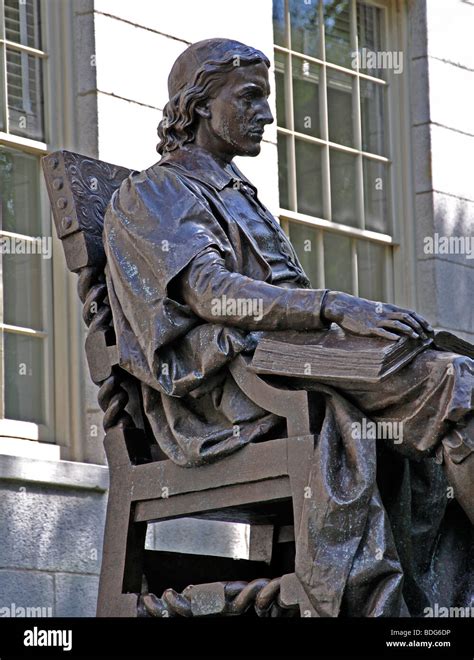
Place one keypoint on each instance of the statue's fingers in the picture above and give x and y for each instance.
(399, 326)
(385, 334)
(408, 319)
(423, 322)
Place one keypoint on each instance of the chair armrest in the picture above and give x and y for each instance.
(290, 404)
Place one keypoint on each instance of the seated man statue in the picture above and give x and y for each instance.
(381, 534)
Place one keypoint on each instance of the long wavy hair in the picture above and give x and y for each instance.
(179, 121)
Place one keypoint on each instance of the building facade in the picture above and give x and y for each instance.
(367, 166)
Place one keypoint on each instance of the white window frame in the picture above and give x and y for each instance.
(394, 35)
(7, 138)
(64, 360)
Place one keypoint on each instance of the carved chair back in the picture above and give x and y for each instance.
(80, 189)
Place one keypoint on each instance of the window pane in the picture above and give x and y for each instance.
(372, 97)
(24, 378)
(369, 23)
(338, 32)
(19, 190)
(22, 290)
(22, 22)
(338, 262)
(279, 22)
(283, 174)
(304, 240)
(375, 195)
(308, 178)
(24, 94)
(343, 188)
(306, 96)
(371, 265)
(305, 27)
(340, 89)
(280, 73)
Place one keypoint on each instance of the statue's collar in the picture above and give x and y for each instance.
(200, 164)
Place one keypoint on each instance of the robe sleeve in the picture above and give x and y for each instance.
(218, 295)
(153, 227)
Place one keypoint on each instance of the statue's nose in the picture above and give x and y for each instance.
(267, 116)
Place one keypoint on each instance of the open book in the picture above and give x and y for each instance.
(335, 356)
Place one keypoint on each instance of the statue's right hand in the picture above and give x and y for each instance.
(360, 316)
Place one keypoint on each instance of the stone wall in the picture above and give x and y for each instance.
(442, 94)
(51, 526)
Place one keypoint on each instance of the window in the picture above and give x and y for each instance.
(333, 147)
(21, 57)
(25, 231)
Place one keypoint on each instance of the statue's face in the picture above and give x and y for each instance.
(240, 111)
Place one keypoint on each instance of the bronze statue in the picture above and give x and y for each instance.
(197, 269)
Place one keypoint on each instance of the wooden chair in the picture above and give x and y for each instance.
(261, 484)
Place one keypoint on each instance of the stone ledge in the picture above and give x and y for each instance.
(65, 474)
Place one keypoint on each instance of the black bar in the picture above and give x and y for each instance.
(240, 636)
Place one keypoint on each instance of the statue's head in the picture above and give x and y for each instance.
(218, 91)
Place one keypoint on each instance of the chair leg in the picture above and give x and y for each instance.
(300, 454)
(118, 529)
(123, 550)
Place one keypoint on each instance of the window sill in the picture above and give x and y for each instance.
(27, 144)
(29, 449)
(62, 474)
